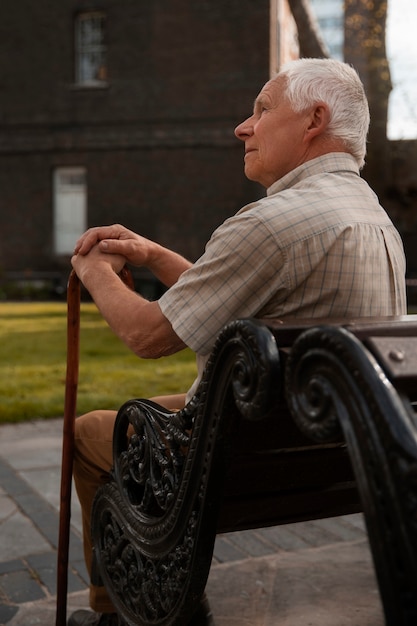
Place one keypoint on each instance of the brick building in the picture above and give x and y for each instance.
(123, 111)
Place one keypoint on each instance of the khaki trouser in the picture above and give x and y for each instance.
(92, 463)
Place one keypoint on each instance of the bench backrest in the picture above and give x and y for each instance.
(291, 421)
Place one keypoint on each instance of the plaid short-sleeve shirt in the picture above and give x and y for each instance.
(318, 245)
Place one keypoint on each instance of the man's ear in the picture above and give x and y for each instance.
(318, 121)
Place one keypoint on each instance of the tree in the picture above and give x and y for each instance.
(365, 27)
(364, 48)
(310, 40)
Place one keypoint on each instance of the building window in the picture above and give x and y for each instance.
(70, 207)
(90, 49)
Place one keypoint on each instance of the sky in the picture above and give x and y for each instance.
(401, 42)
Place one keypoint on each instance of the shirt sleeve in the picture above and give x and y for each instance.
(235, 277)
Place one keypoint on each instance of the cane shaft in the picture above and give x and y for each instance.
(70, 407)
(71, 384)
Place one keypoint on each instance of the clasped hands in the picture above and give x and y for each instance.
(112, 246)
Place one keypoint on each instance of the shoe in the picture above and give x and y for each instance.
(89, 618)
(202, 617)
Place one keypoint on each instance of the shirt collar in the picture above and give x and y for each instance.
(332, 162)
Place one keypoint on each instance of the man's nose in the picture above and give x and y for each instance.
(244, 130)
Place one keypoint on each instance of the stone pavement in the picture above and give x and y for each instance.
(308, 574)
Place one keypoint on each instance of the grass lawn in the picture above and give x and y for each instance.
(33, 364)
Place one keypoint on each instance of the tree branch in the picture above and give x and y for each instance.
(310, 40)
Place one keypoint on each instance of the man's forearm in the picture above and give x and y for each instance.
(138, 323)
(167, 266)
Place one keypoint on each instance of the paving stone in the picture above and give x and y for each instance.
(7, 612)
(224, 550)
(11, 566)
(42, 515)
(312, 534)
(46, 481)
(81, 570)
(43, 612)
(38, 451)
(340, 529)
(250, 542)
(284, 538)
(356, 519)
(326, 586)
(11, 482)
(75, 583)
(45, 568)
(76, 549)
(7, 506)
(19, 537)
(21, 586)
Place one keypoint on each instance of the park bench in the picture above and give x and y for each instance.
(291, 422)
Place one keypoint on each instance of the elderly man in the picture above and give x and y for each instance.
(318, 245)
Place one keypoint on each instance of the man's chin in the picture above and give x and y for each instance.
(250, 172)
(252, 175)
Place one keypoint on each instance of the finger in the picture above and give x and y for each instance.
(94, 235)
(116, 246)
(85, 243)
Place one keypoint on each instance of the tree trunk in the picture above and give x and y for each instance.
(310, 41)
(365, 25)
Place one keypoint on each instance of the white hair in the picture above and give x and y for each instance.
(309, 81)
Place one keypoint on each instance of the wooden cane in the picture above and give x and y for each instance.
(70, 407)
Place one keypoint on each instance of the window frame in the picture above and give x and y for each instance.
(89, 72)
(69, 192)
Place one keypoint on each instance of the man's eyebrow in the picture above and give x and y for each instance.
(258, 101)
